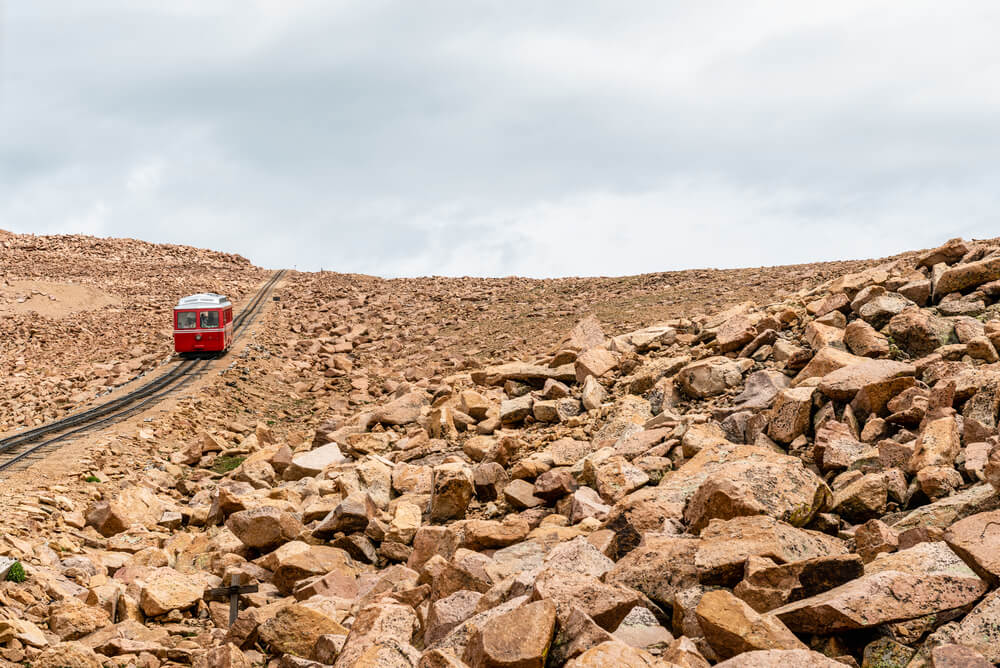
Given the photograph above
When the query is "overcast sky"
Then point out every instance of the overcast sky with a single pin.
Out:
(469, 137)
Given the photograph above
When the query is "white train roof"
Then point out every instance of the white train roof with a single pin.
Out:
(203, 300)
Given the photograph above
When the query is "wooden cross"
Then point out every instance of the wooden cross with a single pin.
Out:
(233, 592)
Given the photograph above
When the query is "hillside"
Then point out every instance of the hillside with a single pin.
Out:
(788, 466)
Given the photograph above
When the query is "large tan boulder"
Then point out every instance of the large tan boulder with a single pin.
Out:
(725, 546)
(264, 527)
(22, 631)
(224, 656)
(791, 414)
(132, 505)
(524, 372)
(618, 654)
(923, 580)
(762, 483)
(660, 567)
(67, 654)
(969, 275)
(314, 462)
(293, 566)
(352, 514)
(295, 628)
(767, 585)
(950, 252)
(453, 489)
(979, 629)
(977, 540)
(939, 444)
(607, 604)
(780, 658)
(864, 340)
(793, 498)
(713, 375)
(920, 333)
(843, 384)
(826, 361)
(403, 410)
(516, 639)
(595, 362)
(71, 618)
(166, 589)
(732, 627)
(379, 628)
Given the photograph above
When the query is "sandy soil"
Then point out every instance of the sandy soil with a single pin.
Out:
(52, 300)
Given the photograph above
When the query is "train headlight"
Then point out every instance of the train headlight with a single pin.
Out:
(197, 337)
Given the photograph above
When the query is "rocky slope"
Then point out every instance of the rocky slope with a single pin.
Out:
(454, 472)
(80, 316)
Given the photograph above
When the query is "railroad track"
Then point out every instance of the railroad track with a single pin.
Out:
(17, 450)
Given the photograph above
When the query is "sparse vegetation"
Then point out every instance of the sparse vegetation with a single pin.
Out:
(226, 463)
(16, 573)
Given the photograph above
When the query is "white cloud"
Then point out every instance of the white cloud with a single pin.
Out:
(145, 176)
(403, 138)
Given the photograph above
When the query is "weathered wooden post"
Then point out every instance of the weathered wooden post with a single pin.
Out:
(233, 592)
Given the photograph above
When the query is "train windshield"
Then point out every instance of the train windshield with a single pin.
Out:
(209, 318)
(187, 319)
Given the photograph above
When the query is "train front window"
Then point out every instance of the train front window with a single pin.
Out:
(187, 319)
(209, 318)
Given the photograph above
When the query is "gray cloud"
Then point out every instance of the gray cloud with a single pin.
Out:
(482, 138)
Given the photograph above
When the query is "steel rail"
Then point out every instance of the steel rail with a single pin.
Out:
(122, 407)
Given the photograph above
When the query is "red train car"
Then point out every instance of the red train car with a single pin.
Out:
(203, 323)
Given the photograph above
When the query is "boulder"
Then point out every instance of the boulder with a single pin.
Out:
(403, 410)
(862, 339)
(132, 505)
(595, 362)
(764, 483)
(950, 252)
(977, 540)
(294, 562)
(919, 333)
(453, 489)
(264, 527)
(712, 376)
(618, 654)
(314, 462)
(519, 638)
(777, 658)
(767, 585)
(607, 604)
(791, 414)
(958, 656)
(844, 383)
(725, 546)
(351, 514)
(295, 628)
(69, 654)
(969, 275)
(165, 589)
(880, 310)
(979, 630)
(660, 567)
(923, 580)
(732, 627)
(938, 444)
(71, 619)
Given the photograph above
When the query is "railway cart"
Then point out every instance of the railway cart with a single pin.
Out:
(203, 323)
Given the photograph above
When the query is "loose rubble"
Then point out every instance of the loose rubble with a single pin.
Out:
(807, 481)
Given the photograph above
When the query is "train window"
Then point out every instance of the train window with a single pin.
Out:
(209, 318)
(187, 319)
